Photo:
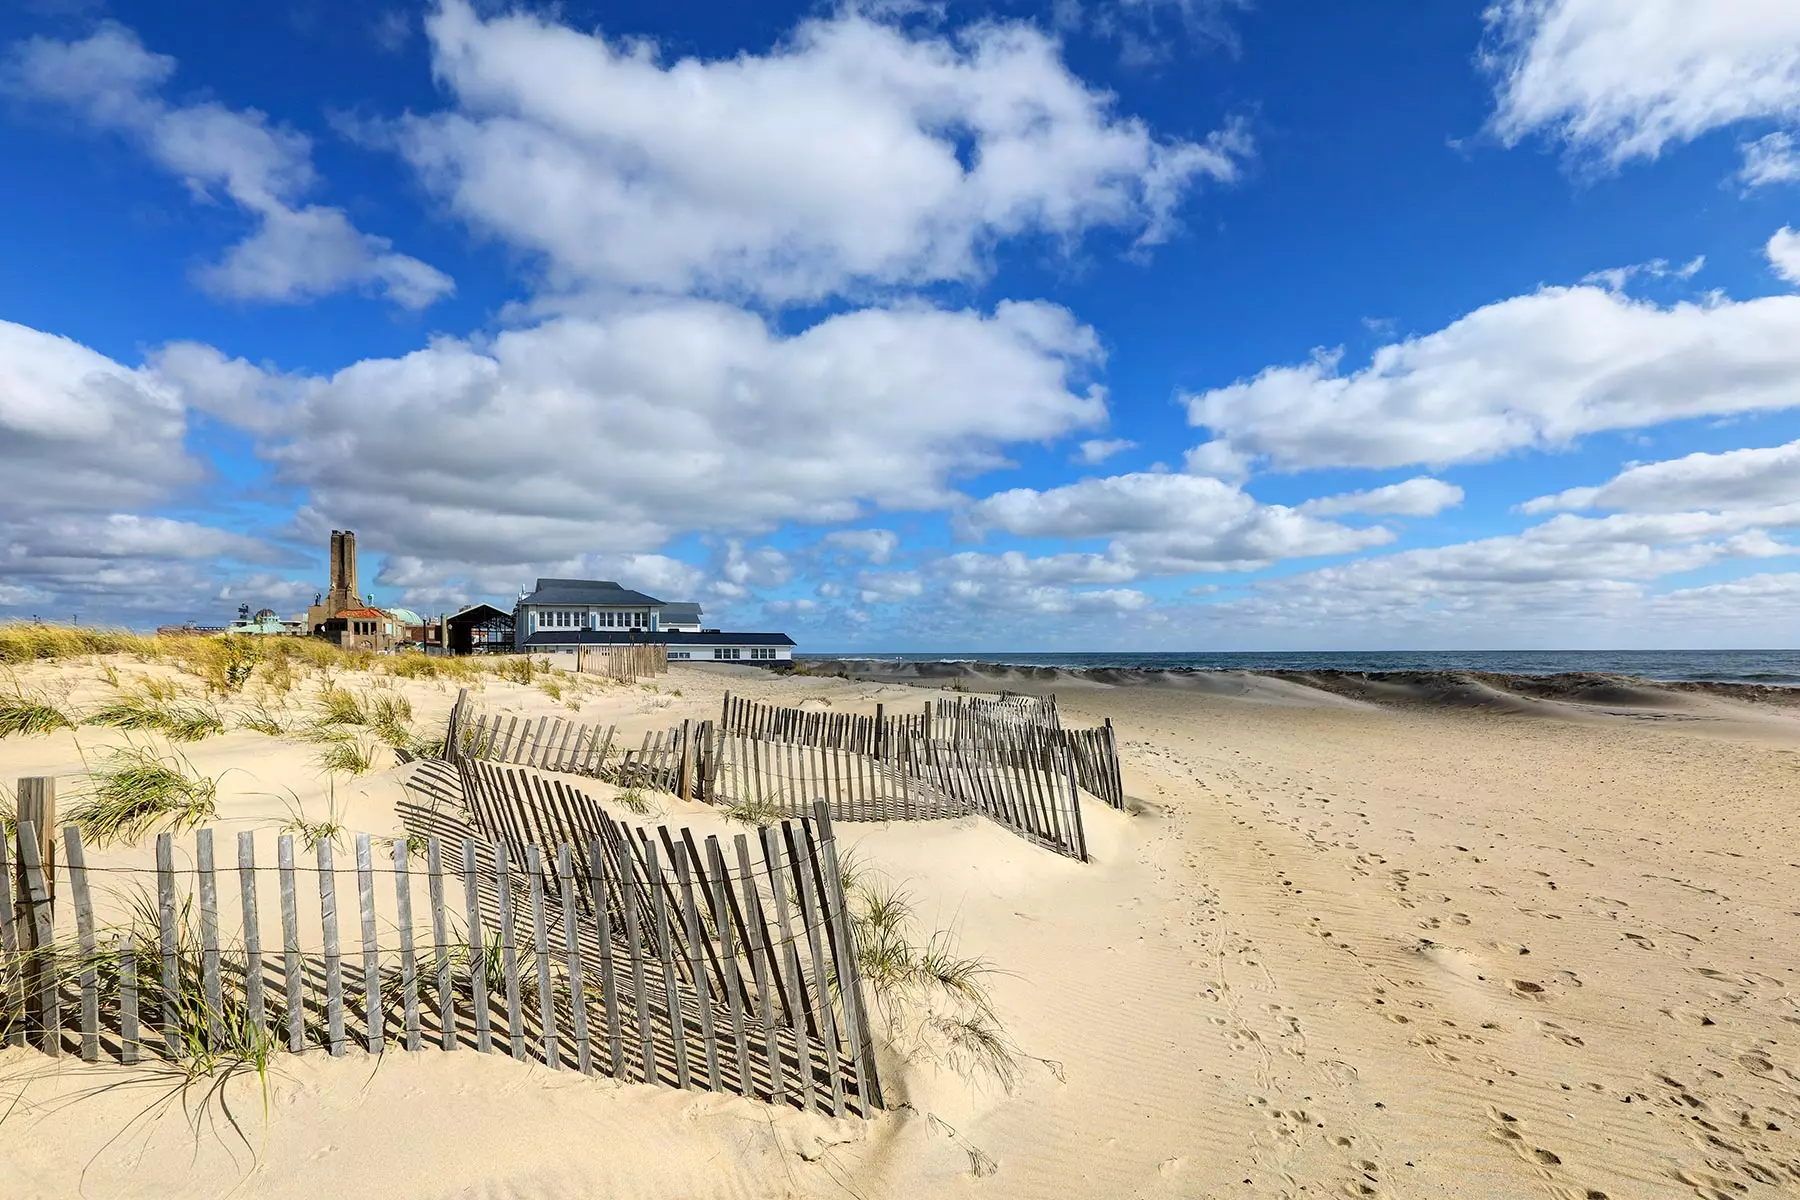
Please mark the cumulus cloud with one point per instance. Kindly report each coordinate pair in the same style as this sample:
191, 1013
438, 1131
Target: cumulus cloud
1770, 159
1098, 450
1169, 524
80, 432
1623, 79
298, 251
888, 587
617, 432
1783, 250
1420, 497
855, 153
1528, 373
1733, 480
876, 545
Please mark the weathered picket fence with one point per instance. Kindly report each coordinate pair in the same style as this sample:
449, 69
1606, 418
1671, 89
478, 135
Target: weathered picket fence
656, 959
673, 760
626, 663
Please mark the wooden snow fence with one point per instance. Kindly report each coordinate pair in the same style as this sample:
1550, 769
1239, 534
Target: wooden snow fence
677, 760
1005, 757
626, 662
646, 956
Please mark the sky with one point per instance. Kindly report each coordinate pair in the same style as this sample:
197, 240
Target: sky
1094, 325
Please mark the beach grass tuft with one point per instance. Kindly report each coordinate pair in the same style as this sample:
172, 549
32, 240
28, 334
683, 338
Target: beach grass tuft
22, 713
135, 789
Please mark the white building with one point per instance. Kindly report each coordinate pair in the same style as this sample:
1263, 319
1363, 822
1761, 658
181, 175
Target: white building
562, 614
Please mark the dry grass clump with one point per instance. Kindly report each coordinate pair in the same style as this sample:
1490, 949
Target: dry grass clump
340, 706
225, 662
934, 1000
518, 668
150, 709
134, 790
30, 713
262, 719
391, 719
345, 755
313, 830
22, 642
413, 665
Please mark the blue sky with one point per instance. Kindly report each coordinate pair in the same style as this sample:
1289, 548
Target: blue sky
1147, 324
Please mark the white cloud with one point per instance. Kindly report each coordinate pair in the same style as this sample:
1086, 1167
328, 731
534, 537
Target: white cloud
1622, 79
297, 251
1098, 450
761, 567
1169, 524
1770, 159
1783, 250
855, 153
617, 432
1421, 497
1615, 278
1733, 480
876, 545
1529, 373
79, 432
446, 583
888, 587
1017, 567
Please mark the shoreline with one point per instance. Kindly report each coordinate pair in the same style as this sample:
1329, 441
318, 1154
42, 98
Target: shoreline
1445, 688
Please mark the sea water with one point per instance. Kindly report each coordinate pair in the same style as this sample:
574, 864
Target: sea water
1779, 667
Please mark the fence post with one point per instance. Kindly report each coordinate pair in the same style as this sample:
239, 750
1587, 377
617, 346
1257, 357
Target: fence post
35, 890
684, 782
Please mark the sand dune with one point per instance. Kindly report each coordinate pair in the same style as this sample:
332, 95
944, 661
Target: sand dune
1361, 936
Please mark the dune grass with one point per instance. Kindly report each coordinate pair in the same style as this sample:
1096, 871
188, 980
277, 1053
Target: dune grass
934, 1000
23, 642
140, 712
313, 830
391, 718
134, 790
345, 755
23, 713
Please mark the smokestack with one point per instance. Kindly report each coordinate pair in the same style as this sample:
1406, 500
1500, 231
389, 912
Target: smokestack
349, 554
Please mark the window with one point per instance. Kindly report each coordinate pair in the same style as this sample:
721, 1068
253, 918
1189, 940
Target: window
561, 618
680, 654
762, 652
727, 652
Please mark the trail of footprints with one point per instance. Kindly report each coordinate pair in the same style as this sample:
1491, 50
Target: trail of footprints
1741, 1146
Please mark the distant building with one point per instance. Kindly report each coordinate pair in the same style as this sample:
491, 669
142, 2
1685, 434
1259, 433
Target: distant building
342, 593
711, 645
680, 617
573, 604
561, 614
362, 629
479, 629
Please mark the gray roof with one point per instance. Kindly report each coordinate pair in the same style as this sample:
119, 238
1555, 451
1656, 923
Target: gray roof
685, 612
661, 637
602, 592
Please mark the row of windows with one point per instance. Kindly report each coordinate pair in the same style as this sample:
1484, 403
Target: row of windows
732, 652
579, 618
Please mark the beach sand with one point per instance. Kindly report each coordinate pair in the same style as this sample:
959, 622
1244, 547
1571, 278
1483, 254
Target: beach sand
1346, 944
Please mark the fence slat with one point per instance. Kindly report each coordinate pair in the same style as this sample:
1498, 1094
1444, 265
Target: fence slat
734, 984
771, 843
165, 924
609, 990
9, 956
84, 932
209, 936
373, 1017
540, 944
128, 1001
856, 1017
478, 966
334, 966
253, 962
440, 943
800, 855
409, 965
759, 969
634, 941
690, 916
565, 881
509, 953
41, 970
290, 945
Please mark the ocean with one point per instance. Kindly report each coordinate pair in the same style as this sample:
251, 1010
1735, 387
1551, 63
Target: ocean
1779, 667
